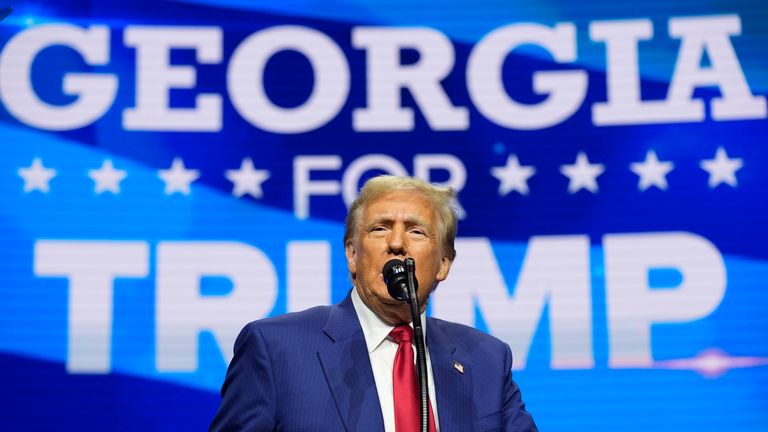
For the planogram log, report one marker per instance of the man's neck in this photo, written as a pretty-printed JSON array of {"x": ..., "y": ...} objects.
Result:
[{"x": 375, "y": 329}]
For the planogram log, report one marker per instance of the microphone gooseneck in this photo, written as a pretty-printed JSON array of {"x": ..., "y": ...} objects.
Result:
[{"x": 402, "y": 285}]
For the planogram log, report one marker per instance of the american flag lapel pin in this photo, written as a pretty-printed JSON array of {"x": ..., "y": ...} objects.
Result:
[{"x": 458, "y": 366}]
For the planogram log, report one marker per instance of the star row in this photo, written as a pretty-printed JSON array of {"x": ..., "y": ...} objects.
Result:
[
  {"x": 582, "y": 174},
  {"x": 177, "y": 178},
  {"x": 512, "y": 177}
]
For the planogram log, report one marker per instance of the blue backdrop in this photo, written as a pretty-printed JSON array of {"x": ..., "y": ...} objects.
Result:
[{"x": 171, "y": 170}]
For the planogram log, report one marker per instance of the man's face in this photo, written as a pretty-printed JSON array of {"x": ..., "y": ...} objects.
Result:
[{"x": 396, "y": 225}]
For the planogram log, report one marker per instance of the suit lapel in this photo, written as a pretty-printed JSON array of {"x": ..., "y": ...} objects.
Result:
[
  {"x": 348, "y": 371},
  {"x": 453, "y": 389}
]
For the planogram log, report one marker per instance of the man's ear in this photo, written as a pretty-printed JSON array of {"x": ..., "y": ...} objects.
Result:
[
  {"x": 445, "y": 267},
  {"x": 351, "y": 253}
]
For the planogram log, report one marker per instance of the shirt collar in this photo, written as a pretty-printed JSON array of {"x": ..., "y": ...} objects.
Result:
[{"x": 376, "y": 330}]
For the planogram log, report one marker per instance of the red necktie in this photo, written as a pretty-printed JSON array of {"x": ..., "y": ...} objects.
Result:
[{"x": 405, "y": 386}]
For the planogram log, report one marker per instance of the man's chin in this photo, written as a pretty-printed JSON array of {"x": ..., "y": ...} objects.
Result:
[
  {"x": 394, "y": 310},
  {"x": 393, "y": 303}
]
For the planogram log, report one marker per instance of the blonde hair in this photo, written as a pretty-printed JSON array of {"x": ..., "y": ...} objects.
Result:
[{"x": 441, "y": 199}]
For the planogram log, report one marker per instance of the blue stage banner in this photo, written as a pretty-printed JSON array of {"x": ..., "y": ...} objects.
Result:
[{"x": 172, "y": 170}]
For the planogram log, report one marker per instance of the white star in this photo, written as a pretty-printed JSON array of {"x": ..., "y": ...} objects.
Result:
[
  {"x": 721, "y": 169},
  {"x": 178, "y": 178},
  {"x": 582, "y": 174},
  {"x": 107, "y": 178},
  {"x": 37, "y": 176},
  {"x": 652, "y": 172},
  {"x": 247, "y": 180},
  {"x": 513, "y": 176}
]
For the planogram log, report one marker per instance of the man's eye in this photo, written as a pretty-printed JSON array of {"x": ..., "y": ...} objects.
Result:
[{"x": 418, "y": 232}]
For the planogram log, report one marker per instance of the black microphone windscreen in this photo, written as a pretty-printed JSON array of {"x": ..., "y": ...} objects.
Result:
[{"x": 396, "y": 279}]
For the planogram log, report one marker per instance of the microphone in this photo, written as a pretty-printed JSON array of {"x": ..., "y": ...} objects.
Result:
[
  {"x": 402, "y": 285},
  {"x": 396, "y": 279}
]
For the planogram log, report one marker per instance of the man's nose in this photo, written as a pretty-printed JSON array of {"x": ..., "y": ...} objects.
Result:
[{"x": 397, "y": 241}]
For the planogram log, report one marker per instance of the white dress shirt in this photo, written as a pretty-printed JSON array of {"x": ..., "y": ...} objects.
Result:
[{"x": 381, "y": 351}]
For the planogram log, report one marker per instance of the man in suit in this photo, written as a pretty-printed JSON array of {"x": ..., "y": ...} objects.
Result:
[{"x": 350, "y": 366}]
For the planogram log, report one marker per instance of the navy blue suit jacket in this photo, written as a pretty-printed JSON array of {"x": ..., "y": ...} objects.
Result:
[{"x": 310, "y": 371}]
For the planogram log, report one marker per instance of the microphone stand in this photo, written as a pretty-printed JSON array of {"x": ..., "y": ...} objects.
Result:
[{"x": 418, "y": 331}]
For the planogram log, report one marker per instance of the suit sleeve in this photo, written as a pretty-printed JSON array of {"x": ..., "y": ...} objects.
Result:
[
  {"x": 248, "y": 392},
  {"x": 516, "y": 418}
]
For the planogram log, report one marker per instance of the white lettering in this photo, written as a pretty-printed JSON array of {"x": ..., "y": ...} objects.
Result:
[
  {"x": 710, "y": 35},
  {"x": 424, "y": 164},
  {"x": 386, "y": 76},
  {"x": 566, "y": 89},
  {"x": 91, "y": 267},
  {"x": 555, "y": 272},
  {"x": 303, "y": 186},
  {"x": 245, "y": 81},
  {"x": 633, "y": 306},
  {"x": 309, "y": 274},
  {"x": 624, "y": 105},
  {"x": 182, "y": 312},
  {"x": 156, "y": 77},
  {"x": 95, "y": 92},
  {"x": 351, "y": 179}
]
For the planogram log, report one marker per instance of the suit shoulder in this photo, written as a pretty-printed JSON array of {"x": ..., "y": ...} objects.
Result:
[
  {"x": 309, "y": 319},
  {"x": 468, "y": 334}
]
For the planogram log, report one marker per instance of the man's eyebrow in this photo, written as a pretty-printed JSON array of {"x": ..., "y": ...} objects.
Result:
[
  {"x": 409, "y": 221},
  {"x": 415, "y": 220},
  {"x": 384, "y": 220},
  {"x": 380, "y": 219}
]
